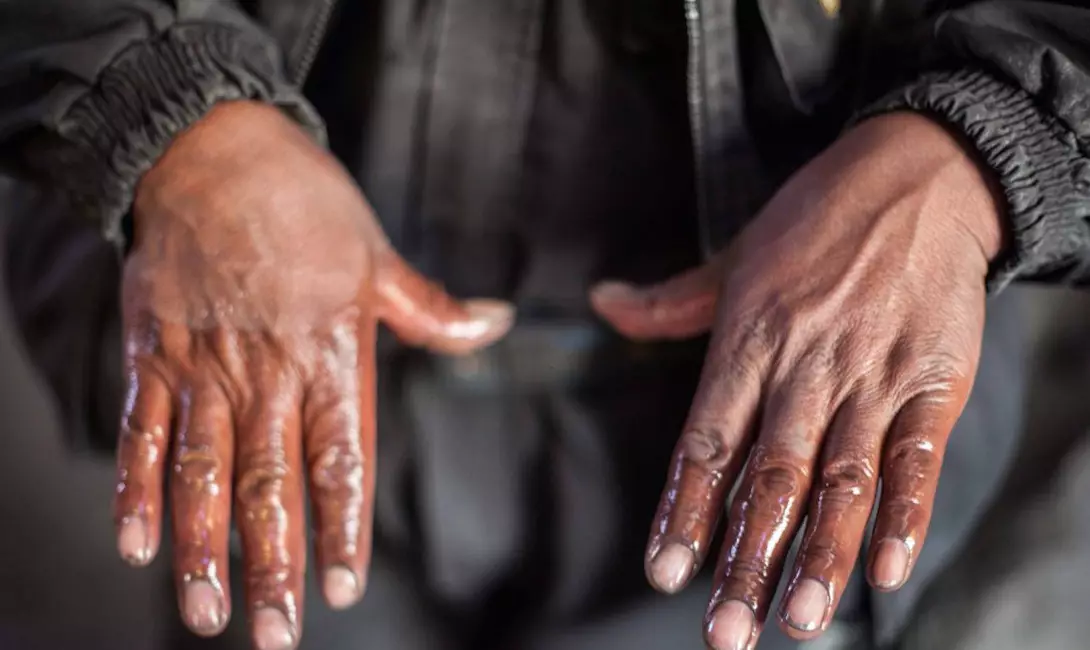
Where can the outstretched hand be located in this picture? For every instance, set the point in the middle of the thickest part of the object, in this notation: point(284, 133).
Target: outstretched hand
point(252, 295)
point(846, 330)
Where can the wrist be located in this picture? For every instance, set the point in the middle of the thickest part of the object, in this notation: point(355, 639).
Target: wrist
point(203, 160)
point(961, 182)
point(229, 129)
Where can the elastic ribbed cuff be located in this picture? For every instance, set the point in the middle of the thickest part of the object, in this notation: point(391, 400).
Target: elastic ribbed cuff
point(1037, 162)
point(151, 93)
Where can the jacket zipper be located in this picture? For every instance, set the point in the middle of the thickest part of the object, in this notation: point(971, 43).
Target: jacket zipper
point(698, 119)
point(697, 114)
point(313, 42)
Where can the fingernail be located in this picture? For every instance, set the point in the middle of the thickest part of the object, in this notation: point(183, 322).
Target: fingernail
point(731, 626)
point(204, 608)
point(612, 290)
point(890, 564)
point(807, 606)
point(672, 567)
point(272, 630)
point(132, 542)
point(494, 312)
point(340, 587)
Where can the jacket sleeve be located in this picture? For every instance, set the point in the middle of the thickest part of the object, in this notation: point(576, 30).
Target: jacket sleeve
point(1013, 77)
point(92, 91)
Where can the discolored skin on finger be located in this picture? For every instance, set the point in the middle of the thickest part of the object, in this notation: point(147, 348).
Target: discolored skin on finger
point(200, 485)
point(708, 457)
point(762, 520)
point(141, 461)
point(689, 509)
point(911, 463)
point(422, 314)
point(768, 507)
point(339, 430)
point(839, 510)
point(269, 505)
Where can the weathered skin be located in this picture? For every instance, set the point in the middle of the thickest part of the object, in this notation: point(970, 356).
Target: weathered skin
point(846, 330)
point(846, 324)
point(252, 295)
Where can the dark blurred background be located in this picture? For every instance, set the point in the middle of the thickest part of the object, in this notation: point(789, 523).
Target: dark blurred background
point(1023, 582)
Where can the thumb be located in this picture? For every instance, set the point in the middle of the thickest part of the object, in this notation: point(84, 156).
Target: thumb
point(681, 307)
point(421, 313)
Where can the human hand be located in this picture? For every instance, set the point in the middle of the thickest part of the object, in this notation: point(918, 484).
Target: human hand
point(846, 330)
point(251, 300)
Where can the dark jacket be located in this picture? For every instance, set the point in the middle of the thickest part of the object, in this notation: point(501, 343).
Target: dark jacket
point(92, 90)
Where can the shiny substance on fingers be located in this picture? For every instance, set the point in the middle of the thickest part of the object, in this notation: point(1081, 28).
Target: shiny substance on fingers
point(848, 316)
point(141, 460)
point(201, 503)
point(251, 298)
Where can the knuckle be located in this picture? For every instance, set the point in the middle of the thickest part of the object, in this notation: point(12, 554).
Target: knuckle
point(821, 551)
point(846, 481)
point(901, 507)
point(269, 582)
point(760, 331)
point(777, 479)
point(707, 448)
point(748, 570)
point(262, 480)
point(332, 412)
point(339, 346)
point(927, 365)
point(198, 470)
point(823, 354)
point(774, 490)
point(752, 339)
point(745, 364)
point(911, 460)
point(338, 469)
point(940, 378)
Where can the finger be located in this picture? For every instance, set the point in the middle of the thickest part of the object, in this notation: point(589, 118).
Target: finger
point(767, 510)
point(839, 510)
point(681, 307)
point(339, 426)
point(911, 464)
point(141, 458)
point(710, 453)
point(421, 313)
point(201, 502)
point(270, 512)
